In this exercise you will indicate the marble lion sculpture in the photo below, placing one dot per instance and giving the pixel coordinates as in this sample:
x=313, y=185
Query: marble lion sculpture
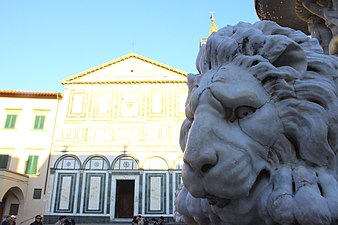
x=260, y=139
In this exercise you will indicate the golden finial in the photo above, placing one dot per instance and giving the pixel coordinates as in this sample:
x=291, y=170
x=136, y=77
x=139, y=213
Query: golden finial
x=213, y=27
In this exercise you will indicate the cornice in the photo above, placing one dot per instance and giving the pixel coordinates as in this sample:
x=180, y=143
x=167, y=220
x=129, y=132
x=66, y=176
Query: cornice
x=120, y=59
x=128, y=82
x=30, y=94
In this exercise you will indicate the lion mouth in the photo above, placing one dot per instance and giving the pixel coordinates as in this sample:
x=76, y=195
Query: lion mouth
x=219, y=202
x=262, y=178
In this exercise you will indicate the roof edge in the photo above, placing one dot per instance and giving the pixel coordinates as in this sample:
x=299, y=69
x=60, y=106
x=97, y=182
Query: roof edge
x=119, y=59
x=30, y=94
x=129, y=82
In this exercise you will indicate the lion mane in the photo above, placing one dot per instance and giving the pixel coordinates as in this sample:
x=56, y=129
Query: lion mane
x=298, y=182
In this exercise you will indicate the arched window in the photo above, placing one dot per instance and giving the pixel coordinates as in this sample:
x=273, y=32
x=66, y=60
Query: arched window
x=68, y=162
x=155, y=163
x=125, y=163
x=96, y=163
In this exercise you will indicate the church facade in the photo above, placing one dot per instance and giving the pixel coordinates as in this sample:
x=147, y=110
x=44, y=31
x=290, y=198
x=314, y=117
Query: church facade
x=103, y=151
x=115, y=149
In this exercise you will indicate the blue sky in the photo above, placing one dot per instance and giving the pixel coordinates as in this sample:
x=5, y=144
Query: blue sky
x=45, y=41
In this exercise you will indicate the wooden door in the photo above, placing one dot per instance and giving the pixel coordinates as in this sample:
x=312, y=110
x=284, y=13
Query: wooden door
x=2, y=208
x=124, y=203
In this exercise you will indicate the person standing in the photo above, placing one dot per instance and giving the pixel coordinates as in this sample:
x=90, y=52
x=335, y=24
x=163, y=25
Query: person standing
x=162, y=221
x=6, y=221
x=12, y=220
x=71, y=221
x=145, y=222
x=135, y=220
x=37, y=221
x=61, y=220
x=140, y=220
x=154, y=221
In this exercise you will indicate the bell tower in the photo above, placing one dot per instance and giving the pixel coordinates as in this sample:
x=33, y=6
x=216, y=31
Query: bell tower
x=213, y=28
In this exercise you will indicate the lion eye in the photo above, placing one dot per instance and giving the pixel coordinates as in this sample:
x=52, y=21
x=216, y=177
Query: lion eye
x=243, y=111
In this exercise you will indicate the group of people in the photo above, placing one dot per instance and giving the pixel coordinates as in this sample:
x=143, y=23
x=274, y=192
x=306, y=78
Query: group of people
x=63, y=220
x=140, y=220
x=9, y=220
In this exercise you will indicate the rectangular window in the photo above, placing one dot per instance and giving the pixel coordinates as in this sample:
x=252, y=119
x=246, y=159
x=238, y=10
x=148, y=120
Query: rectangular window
x=10, y=121
x=32, y=164
x=4, y=159
x=39, y=122
x=37, y=193
x=14, y=209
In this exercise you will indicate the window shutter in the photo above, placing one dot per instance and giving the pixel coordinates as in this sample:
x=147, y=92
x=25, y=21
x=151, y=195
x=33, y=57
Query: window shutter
x=36, y=122
x=10, y=121
x=4, y=161
x=39, y=122
x=32, y=164
x=42, y=122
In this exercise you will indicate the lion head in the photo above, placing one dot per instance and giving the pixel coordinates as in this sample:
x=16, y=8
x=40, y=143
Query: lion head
x=260, y=139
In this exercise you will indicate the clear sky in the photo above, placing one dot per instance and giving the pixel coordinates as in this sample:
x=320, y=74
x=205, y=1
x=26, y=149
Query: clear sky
x=45, y=41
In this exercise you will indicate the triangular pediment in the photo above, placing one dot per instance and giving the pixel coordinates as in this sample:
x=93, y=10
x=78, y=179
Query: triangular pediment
x=130, y=68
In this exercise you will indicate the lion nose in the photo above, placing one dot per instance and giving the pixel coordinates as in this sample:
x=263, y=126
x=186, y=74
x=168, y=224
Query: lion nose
x=200, y=153
x=206, y=167
x=200, y=162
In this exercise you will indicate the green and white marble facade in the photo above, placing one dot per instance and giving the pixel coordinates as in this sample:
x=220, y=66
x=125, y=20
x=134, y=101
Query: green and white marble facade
x=89, y=188
x=118, y=122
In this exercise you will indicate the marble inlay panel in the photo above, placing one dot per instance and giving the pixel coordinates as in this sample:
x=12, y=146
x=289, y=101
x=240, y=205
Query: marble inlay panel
x=155, y=193
x=65, y=192
x=64, y=196
x=94, y=193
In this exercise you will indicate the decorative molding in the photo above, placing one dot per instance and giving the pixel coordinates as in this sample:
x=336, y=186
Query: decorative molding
x=70, y=80
x=130, y=82
x=84, y=102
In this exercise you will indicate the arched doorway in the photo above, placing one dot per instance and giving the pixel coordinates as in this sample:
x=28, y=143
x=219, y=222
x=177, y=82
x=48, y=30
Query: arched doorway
x=125, y=188
x=12, y=202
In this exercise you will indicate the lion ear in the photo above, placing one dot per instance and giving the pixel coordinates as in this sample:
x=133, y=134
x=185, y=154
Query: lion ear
x=184, y=133
x=281, y=51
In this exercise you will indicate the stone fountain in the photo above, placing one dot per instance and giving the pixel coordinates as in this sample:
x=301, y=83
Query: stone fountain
x=316, y=17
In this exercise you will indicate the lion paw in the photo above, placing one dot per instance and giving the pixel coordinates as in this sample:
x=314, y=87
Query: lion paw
x=303, y=195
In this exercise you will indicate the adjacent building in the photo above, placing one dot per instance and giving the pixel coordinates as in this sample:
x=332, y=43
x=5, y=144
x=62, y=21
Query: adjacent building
x=27, y=123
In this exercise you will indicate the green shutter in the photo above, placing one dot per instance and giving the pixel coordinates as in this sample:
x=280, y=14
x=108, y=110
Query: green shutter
x=39, y=122
x=42, y=121
x=4, y=161
x=10, y=121
x=32, y=164
x=36, y=122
